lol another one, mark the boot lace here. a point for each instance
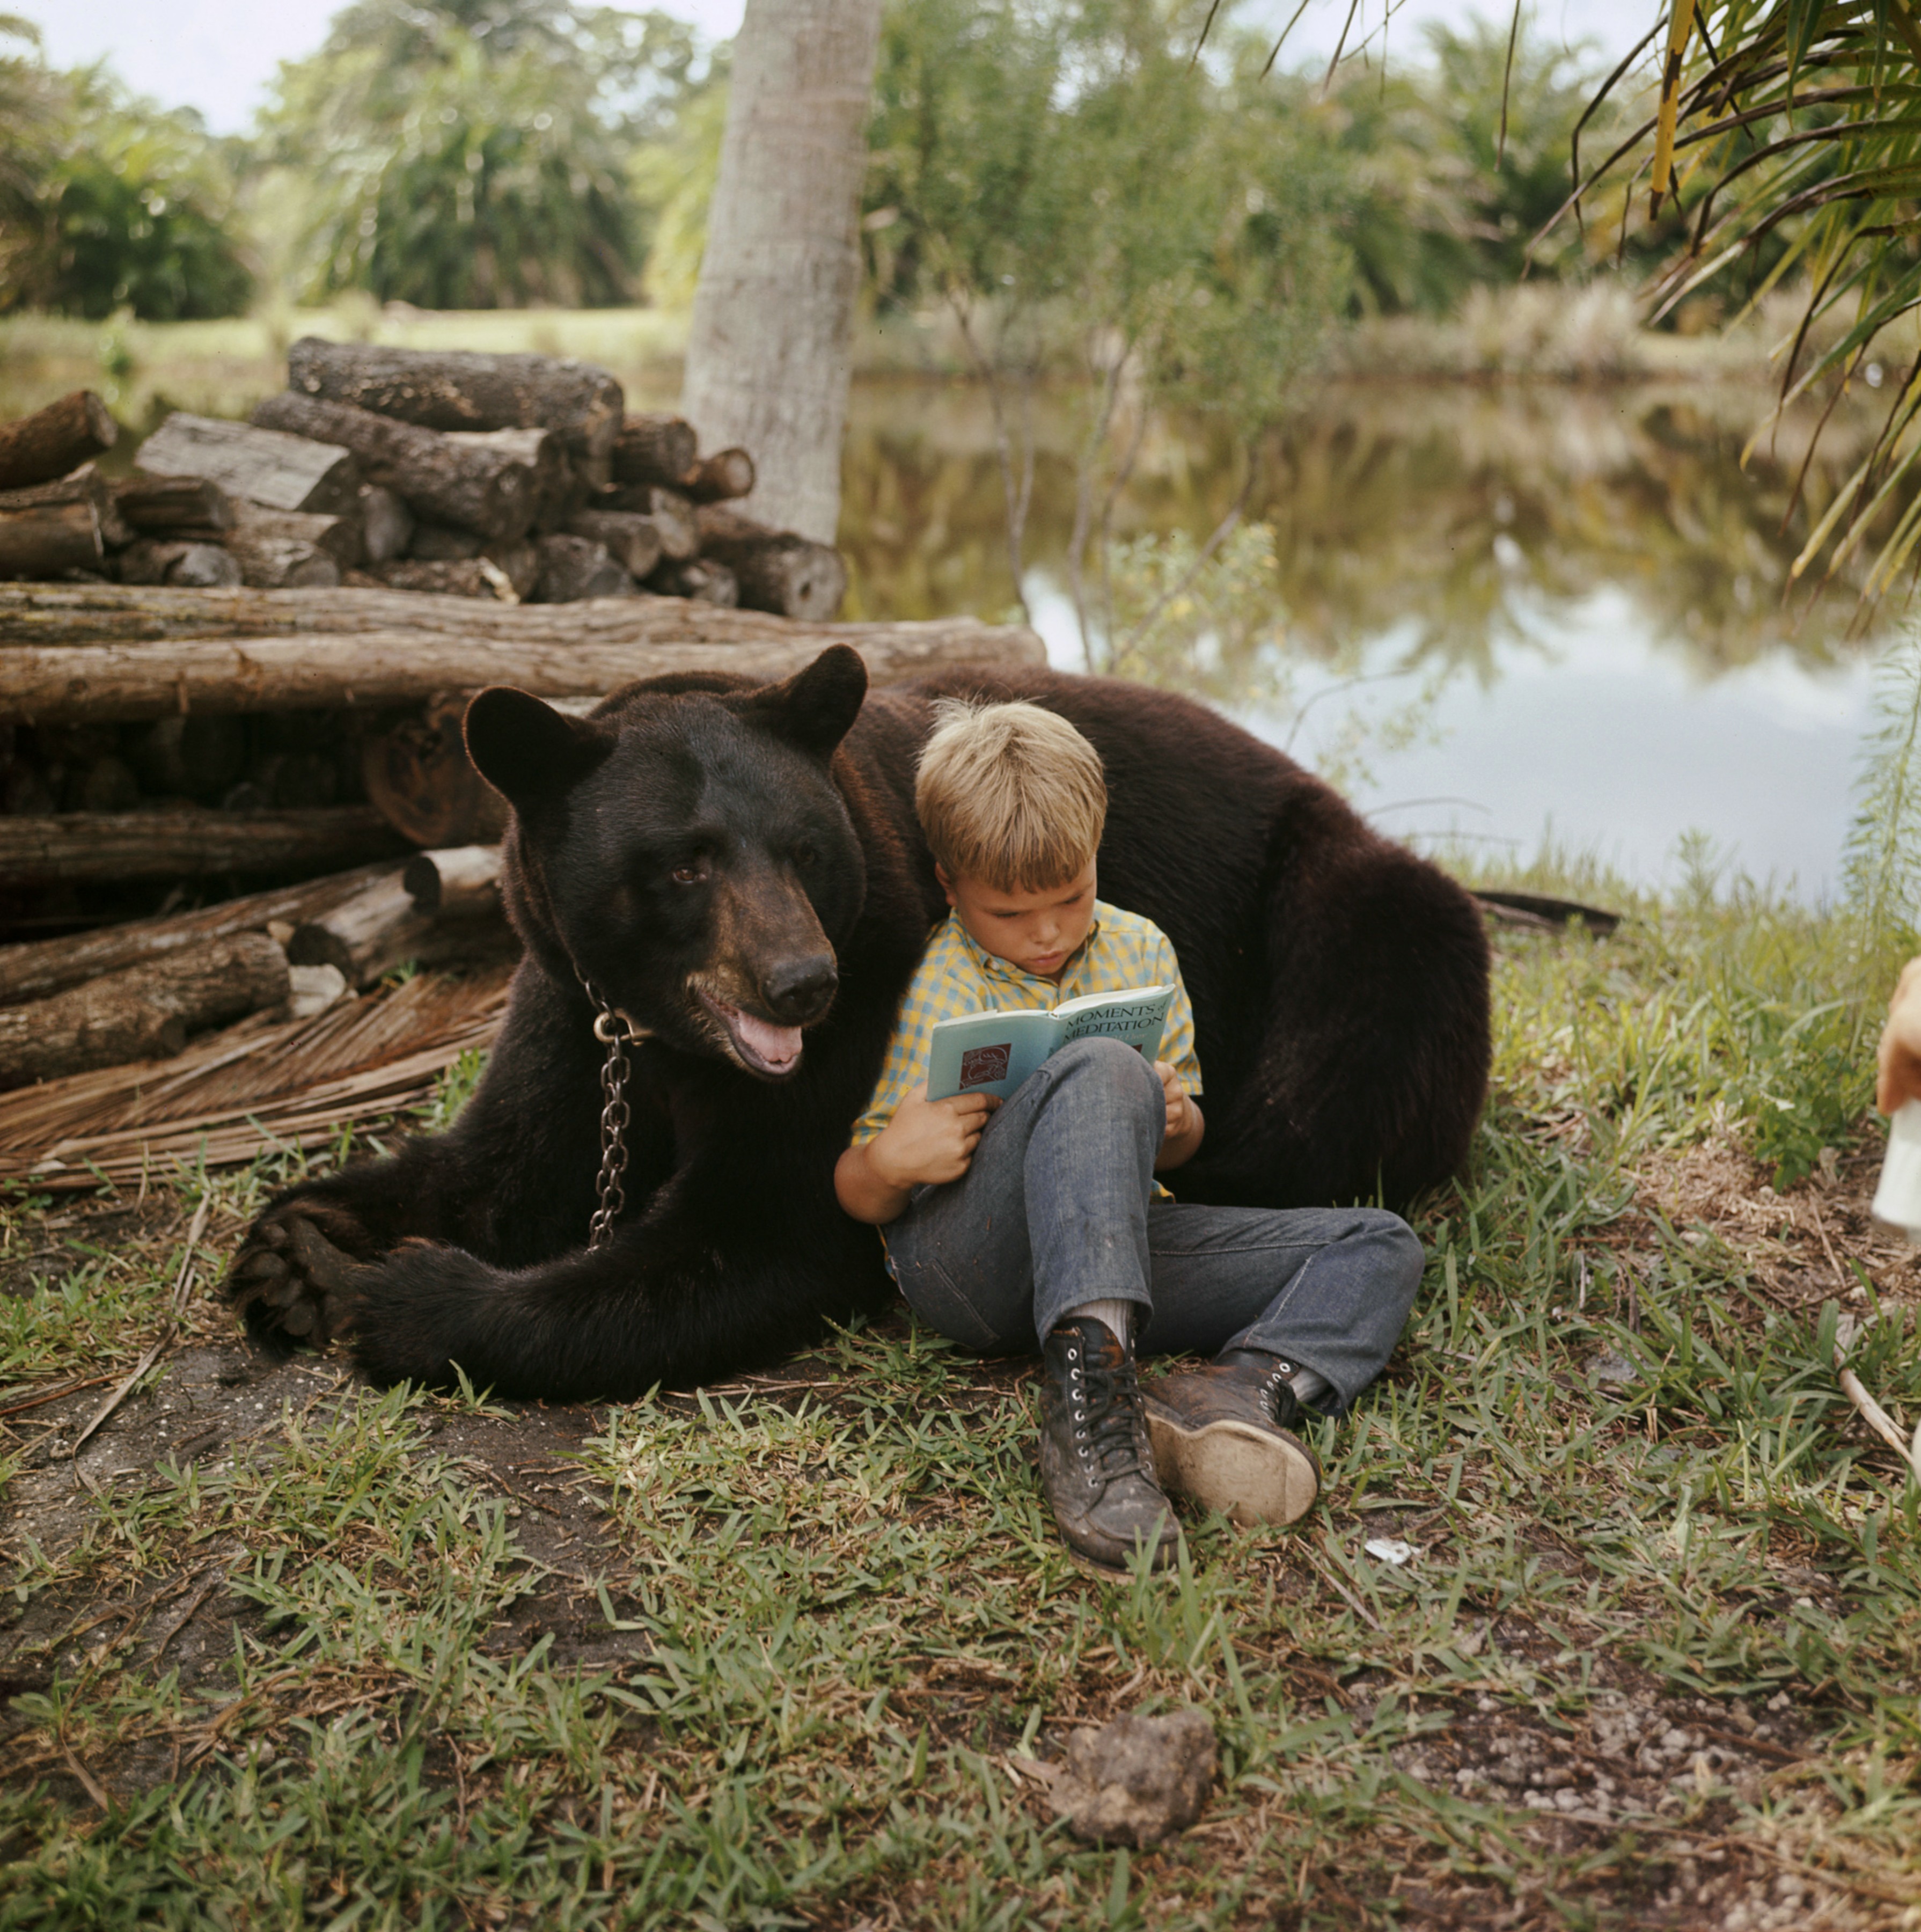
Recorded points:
(1105, 1399)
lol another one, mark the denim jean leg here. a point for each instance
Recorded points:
(1328, 1289)
(1344, 1309)
(1089, 1175)
(1052, 1212)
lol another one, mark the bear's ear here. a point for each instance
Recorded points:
(527, 750)
(815, 709)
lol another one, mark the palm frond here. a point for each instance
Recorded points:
(1783, 139)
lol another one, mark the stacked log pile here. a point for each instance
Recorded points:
(234, 788)
(515, 478)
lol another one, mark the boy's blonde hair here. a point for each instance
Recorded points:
(1010, 795)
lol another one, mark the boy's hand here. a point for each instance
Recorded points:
(929, 1140)
(1181, 1138)
(1181, 1112)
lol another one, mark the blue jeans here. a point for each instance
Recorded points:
(1057, 1211)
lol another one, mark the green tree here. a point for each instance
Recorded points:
(1074, 187)
(28, 112)
(108, 201)
(1779, 141)
(472, 153)
(1452, 164)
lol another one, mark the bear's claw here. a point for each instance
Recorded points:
(292, 1284)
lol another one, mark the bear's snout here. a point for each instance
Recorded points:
(798, 991)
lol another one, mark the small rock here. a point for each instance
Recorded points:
(1609, 1370)
(1137, 1780)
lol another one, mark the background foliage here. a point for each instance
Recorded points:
(501, 153)
(472, 154)
(108, 201)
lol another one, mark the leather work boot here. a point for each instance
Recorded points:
(1096, 1466)
(1222, 1436)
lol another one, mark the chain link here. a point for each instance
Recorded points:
(612, 1028)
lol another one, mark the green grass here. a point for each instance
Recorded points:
(830, 1617)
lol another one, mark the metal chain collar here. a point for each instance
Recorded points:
(616, 1032)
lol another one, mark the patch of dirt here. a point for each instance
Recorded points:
(61, 1241)
(1799, 1247)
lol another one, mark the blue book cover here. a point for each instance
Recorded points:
(994, 1053)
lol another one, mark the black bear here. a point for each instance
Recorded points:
(736, 873)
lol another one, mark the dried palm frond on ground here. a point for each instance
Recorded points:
(261, 1085)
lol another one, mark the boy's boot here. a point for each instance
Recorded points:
(1096, 1465)
(1224, 1436)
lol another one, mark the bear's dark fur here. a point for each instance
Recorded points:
(725, 863)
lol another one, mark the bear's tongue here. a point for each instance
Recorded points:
(776, 1047)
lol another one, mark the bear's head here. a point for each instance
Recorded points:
(685, 850)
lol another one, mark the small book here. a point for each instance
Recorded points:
(994, 1053)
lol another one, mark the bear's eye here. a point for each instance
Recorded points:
(690, 874)
(803, 856)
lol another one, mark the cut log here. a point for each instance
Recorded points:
(384, 926)
(54, 440)
(632, 542)
(292, 550)
(33, 971)
(281, 472)
(46, 539)
(557, 489)
(670, 512)
(199, 758)
(654, 449)
(83, 485)
(339, 537)
(575, 568)
(440, 543)
(700, 580)
(194, 566)
(460, 390)
(459, 577)
(470, 482)
(461, 882)
(387, 525)
(145, 1013)
(90, 614)
(422, 781)
(182, 845)
(726, 474)
(205, 566)
(778, 571)
(366, 935)
(149, 560)
(105, 783)
(188, 509)
(520, 563)
(327, 650)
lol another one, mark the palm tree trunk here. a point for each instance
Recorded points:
(768, 360)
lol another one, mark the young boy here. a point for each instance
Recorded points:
(1040, 1223)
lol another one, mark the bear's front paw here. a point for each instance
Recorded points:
(293, 1286)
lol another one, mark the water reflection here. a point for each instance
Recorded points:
(1449, 507)
(1560, 608)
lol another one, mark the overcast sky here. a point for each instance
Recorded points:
(219, 55)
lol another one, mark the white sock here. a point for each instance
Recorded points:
(1308, 1384)
(1117, 1312)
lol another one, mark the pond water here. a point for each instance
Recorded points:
(1497, 617)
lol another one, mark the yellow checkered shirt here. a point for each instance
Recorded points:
(955, 977)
